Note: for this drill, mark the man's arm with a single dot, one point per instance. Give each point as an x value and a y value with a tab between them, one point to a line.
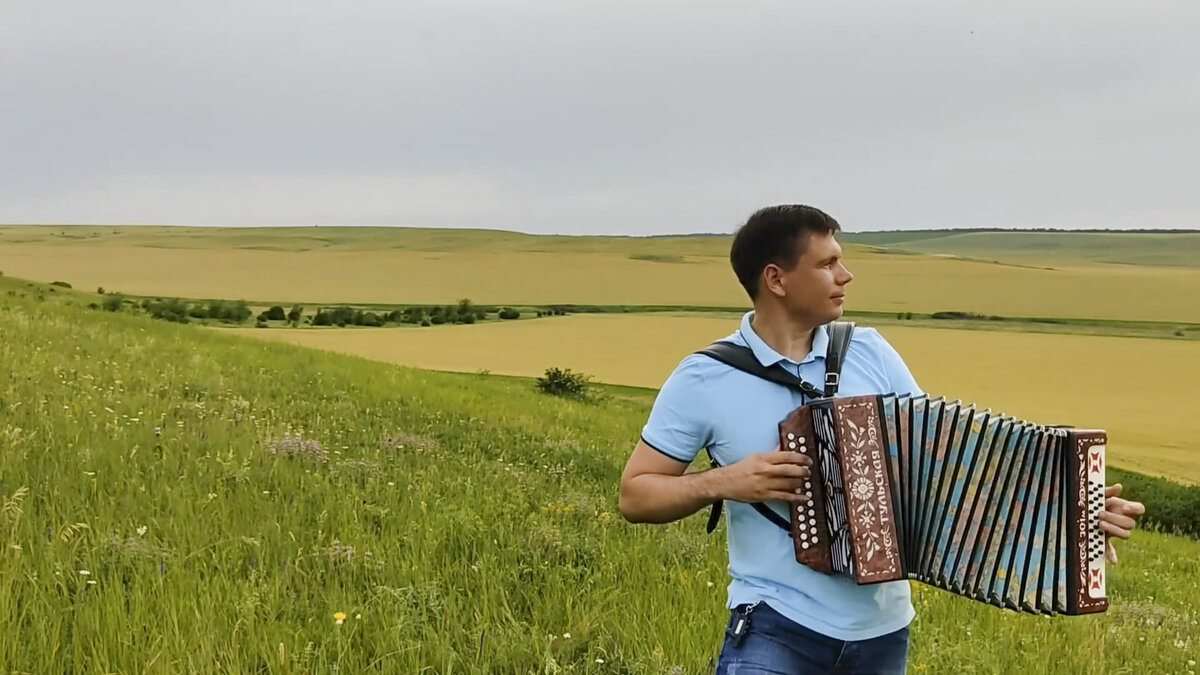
655	489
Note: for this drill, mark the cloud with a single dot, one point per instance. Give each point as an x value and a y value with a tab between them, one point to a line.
621	117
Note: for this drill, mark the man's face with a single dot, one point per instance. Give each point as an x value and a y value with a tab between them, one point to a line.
815	288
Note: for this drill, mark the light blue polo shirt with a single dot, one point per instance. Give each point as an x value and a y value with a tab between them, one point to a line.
707	404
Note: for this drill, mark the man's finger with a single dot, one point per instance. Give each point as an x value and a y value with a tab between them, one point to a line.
1113	530
1110	551
791	497
790	471
1121	521
788	457
1124	506
1113	490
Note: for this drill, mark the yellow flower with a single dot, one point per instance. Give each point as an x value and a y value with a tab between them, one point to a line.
339	617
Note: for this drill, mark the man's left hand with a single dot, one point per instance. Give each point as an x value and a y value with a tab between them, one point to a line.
1117	518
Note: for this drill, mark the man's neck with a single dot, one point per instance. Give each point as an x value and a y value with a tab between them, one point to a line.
788	336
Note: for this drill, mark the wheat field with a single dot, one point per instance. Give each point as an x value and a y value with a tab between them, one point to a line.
495	269
1046	378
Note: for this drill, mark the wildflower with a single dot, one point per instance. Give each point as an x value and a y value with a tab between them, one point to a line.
84	573
599	660
141	530
567	636
91	582
339	618
710	584
357	616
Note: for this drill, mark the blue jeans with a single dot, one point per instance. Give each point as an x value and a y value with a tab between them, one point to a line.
774	644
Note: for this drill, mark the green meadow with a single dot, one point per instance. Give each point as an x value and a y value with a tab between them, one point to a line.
178	500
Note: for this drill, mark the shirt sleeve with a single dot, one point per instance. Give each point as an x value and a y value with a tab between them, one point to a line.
900	378
679	425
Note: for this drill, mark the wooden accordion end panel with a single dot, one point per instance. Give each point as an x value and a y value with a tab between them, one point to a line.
986	506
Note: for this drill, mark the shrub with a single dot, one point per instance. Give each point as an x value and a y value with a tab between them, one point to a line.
425	323
560	382
113	302
509	313
1180	332
437	319
276	314
1170	507
168	310
61	284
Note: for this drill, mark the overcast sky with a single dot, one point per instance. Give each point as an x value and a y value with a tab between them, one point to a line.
621	117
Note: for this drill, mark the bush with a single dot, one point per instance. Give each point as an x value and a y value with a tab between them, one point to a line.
276	314
294	315
1170	507
437	319
509	313
168	310
425	323
113	302
61	284
1180	332
559	382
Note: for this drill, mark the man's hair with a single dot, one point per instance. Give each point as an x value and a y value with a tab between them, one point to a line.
775	234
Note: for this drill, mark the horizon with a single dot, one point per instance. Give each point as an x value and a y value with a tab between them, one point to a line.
844	231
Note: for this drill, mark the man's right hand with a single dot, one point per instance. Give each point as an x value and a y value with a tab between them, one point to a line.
777	475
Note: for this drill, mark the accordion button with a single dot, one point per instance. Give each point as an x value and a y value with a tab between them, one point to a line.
792	446
810	512
804	544
791	436
807	485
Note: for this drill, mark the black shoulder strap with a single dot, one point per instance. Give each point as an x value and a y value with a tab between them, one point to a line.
840	333
742	358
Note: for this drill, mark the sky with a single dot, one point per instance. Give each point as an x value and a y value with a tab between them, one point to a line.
616	117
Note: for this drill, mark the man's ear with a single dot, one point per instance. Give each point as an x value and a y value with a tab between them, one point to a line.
772	280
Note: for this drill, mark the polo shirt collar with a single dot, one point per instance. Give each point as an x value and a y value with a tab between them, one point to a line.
767	356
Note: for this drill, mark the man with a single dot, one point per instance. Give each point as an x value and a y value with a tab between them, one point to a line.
785	617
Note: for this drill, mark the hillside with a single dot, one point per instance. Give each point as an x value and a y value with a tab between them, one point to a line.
382	265
180	500
1162	249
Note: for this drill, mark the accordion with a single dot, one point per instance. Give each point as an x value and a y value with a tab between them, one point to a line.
985	506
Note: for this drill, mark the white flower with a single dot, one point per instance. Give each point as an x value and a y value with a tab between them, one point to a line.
599	660
91	581
141	530
84	573
861	488
566	635
710	584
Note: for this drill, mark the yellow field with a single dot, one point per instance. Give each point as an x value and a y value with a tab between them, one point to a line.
1140	390
884	282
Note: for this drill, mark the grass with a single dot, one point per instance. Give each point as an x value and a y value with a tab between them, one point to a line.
159	516
1060	379
394	266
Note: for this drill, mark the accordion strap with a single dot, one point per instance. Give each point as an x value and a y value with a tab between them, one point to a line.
743	359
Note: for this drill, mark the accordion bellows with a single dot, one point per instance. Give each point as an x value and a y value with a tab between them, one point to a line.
984	506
